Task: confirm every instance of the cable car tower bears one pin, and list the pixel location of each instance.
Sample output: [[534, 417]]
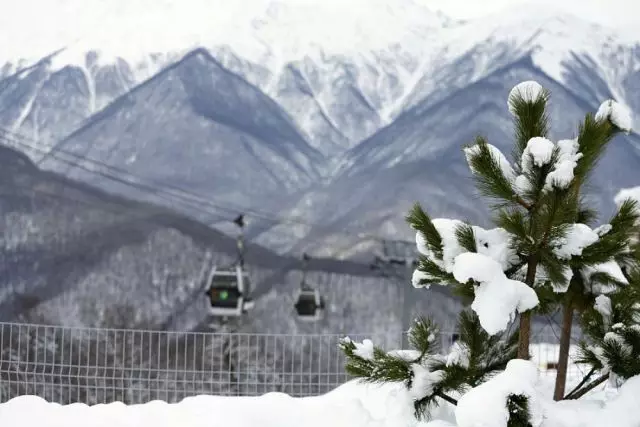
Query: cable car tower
[[229, 288], [309, 305]]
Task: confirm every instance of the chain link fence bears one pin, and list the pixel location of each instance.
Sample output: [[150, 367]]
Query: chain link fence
[[67, 365]]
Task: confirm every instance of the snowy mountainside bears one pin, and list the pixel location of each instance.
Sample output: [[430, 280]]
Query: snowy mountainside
[[342, 85], [419, 158], [50, 99], [197, 126], [559, 44], [349, 99]]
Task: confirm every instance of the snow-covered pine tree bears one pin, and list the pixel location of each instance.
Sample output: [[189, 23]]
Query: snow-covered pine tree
[[597, 271], [541, 249], [612, 325], [611, 320]]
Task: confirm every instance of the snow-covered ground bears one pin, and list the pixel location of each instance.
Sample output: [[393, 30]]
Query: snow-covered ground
[[351, 405]]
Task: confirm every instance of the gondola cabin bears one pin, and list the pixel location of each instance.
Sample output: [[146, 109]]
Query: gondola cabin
[[310, 305], [228, 292]]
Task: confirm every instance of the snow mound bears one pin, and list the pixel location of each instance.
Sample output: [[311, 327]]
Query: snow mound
[[485, 405], [353, 405]]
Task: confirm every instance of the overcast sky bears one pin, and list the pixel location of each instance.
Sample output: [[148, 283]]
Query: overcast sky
[[610, 12], [40, 26]]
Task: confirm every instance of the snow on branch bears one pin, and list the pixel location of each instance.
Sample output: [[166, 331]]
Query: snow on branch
[[488, 403], [497, 297], [528, 91], [632, 193], [617, 114], [576, 239]]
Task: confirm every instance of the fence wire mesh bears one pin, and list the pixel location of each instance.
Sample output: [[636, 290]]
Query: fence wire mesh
[[67, 365]]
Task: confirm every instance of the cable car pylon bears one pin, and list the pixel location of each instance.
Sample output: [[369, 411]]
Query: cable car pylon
[[229, 288]]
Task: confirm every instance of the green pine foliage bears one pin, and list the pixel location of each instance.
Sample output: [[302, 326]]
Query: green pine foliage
[[538, 205], [613, 345], [518, 406], [477, 357]]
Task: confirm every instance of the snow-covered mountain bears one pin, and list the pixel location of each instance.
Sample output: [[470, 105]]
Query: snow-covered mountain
[[197, 126], [340, 82], [306, 112], [419, 158]]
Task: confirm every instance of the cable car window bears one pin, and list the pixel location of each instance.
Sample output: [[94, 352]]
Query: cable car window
[[224, 297], [229, 281]]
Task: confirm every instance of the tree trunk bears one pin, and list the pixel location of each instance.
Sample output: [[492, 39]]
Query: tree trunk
[[525, 318], [524, 335], [563, 354]]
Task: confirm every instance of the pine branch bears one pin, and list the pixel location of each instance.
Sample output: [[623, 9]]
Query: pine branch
[[586, 215], [583, 382], [489, 174], [593, 137], [421, 336], [516, 223], [435, 274], [590, 387], [531, 120], [518, 408], [446, 398], [420, 221], [616, 242], [466, 237]]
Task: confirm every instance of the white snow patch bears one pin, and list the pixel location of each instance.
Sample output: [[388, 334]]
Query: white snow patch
[[501, 159], [603, 230], [614, 337], [529, 90], [567, 273], [485, 405], [522, 184], [458, 355], [621, 410], [632, 193], [450, 248], [603, 306], [538, 152], [353, 404], [578, 237], [407, 355], [423, 381], [612, 269], [618, 114], [421, 243], [417, 277], [562, 174], [497, 297], [496, 243], [364, 349]]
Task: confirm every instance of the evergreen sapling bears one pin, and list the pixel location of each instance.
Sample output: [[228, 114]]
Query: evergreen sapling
[[542, 253]]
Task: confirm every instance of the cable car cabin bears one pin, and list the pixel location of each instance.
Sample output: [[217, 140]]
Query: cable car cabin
[[228, 292], [310, 305]]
